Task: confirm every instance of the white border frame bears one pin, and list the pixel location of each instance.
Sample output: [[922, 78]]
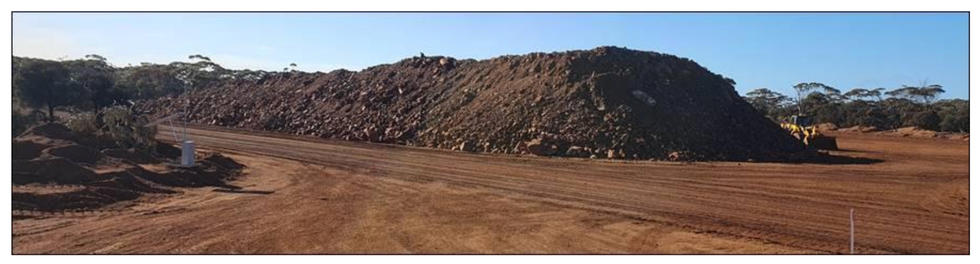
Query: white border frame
[[445, 5]]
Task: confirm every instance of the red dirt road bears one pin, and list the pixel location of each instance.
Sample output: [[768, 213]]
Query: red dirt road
[[916, 200]]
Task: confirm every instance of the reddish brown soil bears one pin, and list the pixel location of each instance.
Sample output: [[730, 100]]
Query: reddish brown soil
[[53, 173], [348, 197]]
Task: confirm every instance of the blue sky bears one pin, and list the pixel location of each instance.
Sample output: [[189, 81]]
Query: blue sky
[[768, 50]]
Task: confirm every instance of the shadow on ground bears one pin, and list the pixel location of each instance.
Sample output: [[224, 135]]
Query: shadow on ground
[[830, 159], [239, 190]]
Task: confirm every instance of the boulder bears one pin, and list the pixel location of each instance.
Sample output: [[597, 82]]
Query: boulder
[[576, 151], [541, 148], [613, 154]]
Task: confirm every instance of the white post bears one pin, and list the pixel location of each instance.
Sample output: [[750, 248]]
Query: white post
[[187, 153], [852, 231]]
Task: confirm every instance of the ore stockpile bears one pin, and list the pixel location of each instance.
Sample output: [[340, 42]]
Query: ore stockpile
[[606, 102]]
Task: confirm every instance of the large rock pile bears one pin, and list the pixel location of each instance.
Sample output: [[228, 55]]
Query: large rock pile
[[605, 103]]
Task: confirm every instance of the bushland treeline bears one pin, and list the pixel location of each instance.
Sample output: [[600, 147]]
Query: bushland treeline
[[90, 83], [909, 105]]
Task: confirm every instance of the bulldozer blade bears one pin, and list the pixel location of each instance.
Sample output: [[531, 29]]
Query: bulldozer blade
[[823, 142]]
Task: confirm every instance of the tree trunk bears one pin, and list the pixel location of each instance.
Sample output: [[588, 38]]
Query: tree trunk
[[50, 113], [50, 105], [799, 102]]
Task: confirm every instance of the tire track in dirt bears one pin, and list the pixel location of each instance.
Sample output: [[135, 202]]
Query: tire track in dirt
[[797, 205]]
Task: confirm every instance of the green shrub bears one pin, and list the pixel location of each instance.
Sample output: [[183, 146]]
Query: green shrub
[[83, 123], [128, 129], [926, 120]]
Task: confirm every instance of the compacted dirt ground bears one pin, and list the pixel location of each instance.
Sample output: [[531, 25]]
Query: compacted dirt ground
[[314, 196]]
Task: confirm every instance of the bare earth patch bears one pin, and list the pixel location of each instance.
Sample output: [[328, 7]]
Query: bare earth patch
[[342, 197]]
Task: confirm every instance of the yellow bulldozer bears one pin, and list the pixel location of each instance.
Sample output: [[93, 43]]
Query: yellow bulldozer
[[800, 127]]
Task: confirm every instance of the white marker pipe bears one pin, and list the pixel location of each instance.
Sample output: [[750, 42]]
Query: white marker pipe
[[852, 231]]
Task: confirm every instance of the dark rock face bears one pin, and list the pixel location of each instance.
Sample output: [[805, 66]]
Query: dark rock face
[[606, 102]]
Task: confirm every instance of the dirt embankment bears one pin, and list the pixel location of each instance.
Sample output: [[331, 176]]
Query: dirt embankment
[[925, 133], [912, 132], [603, 103], [54, 171]]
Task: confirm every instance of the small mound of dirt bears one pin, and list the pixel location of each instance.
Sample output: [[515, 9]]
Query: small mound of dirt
[[224, 162], [52, 170], [98, 178], [960, 136], [130, 155], [50, 130], [76, 153], [861, 129], [130, 178], [87, 198], [28, 149], [826, 127], [915, 132], [167, 151], [199, 176]]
